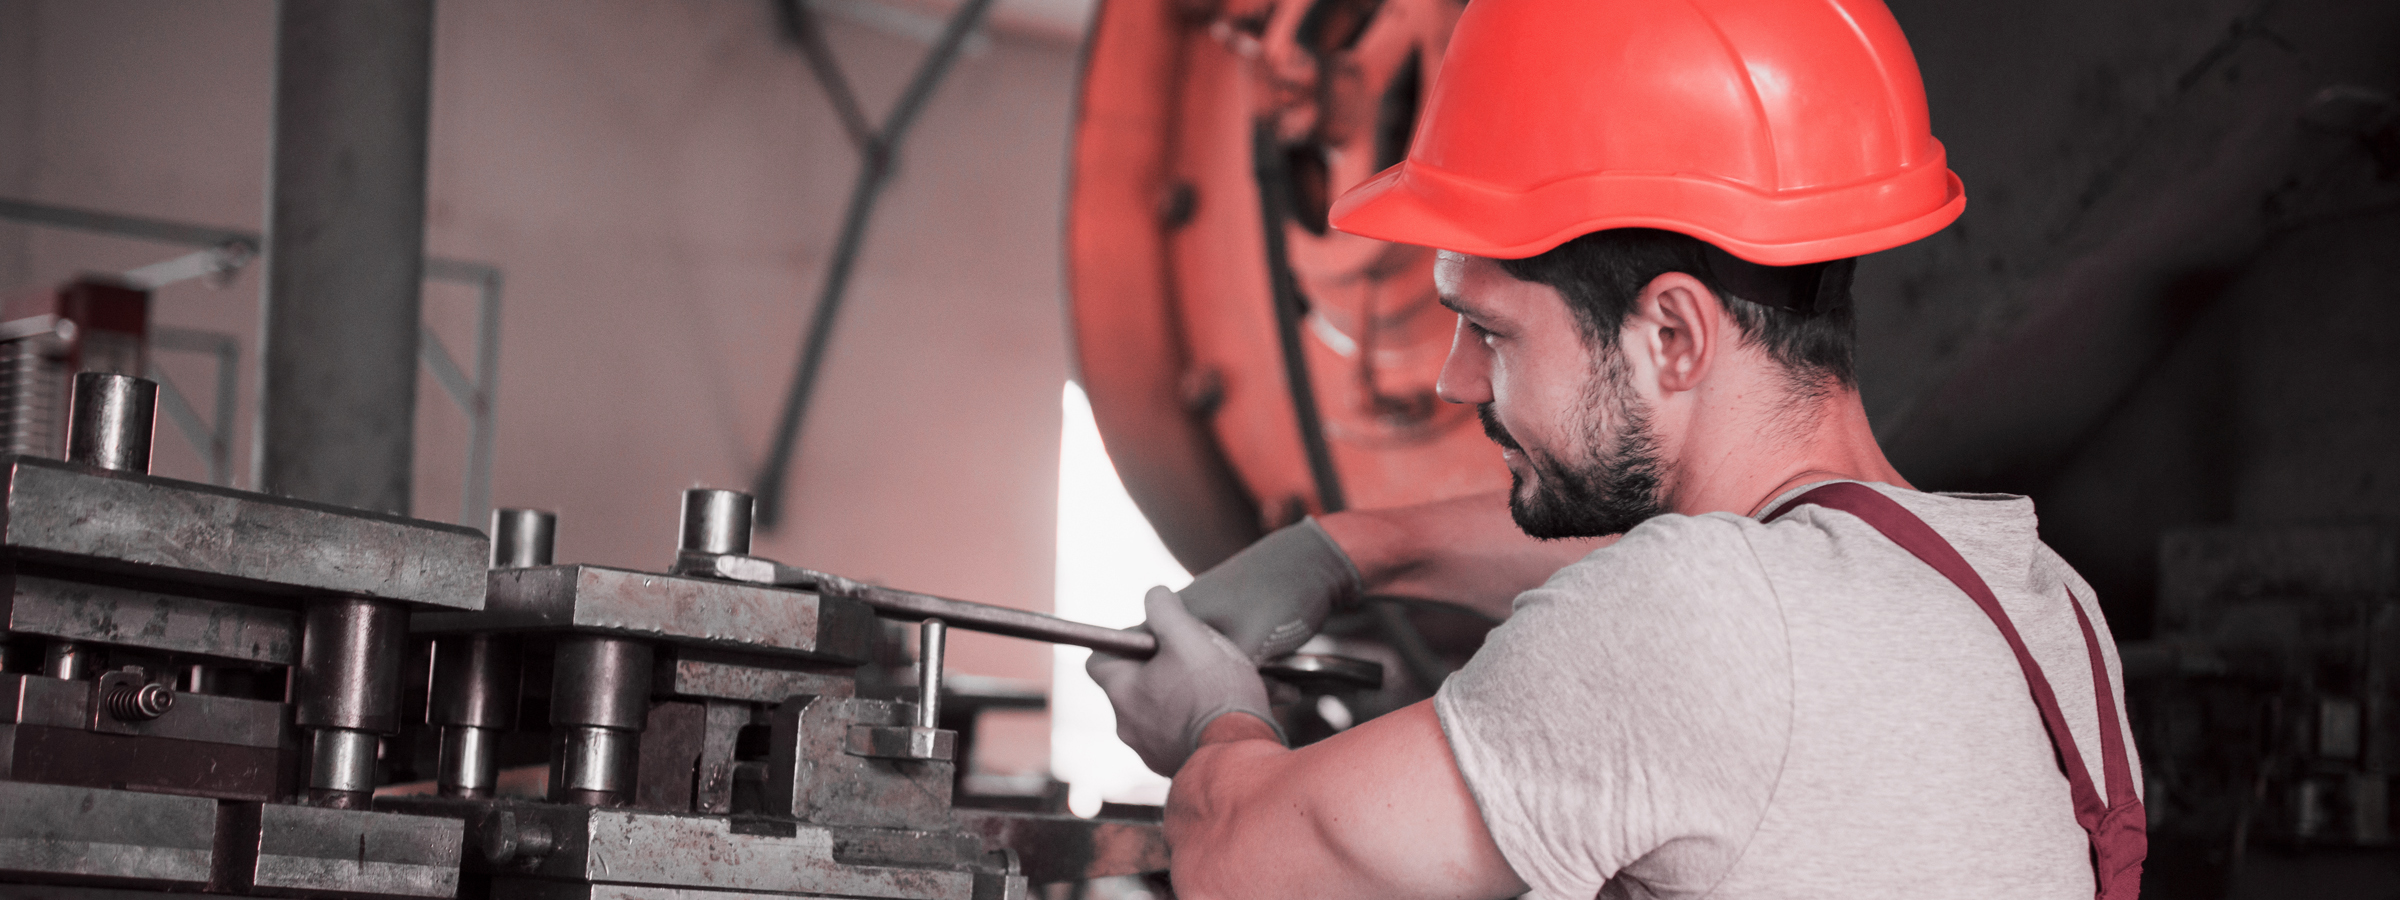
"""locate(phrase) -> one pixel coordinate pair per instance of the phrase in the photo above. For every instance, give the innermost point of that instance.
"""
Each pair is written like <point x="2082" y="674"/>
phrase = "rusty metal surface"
<point x="111" y="614"/>
<point x="639" y="850"/>
<point x="181" y="532"/>
<point x="902" y="742"/>
<point x="812" y="777"/>
<point x="55" y="831"/>
<point x="1053" y="848"/>
<point x="316" y="851"/>
<point x="685" y="673"/>
<point x="80" y="757"/>
<point x="703" y="612"/>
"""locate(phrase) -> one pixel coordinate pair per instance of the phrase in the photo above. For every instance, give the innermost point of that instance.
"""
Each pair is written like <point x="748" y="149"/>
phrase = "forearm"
<point x="1466" y="551"/>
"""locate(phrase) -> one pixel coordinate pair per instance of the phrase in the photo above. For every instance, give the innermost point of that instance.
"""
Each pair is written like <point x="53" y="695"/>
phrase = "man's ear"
<point x="1680" y="325"/>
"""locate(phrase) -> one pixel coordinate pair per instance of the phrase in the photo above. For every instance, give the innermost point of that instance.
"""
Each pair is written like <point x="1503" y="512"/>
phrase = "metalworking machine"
<point x="202" y="692"/>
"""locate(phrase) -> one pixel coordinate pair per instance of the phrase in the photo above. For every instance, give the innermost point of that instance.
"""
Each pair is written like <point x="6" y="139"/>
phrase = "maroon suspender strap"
<point x="2117" y="827"/>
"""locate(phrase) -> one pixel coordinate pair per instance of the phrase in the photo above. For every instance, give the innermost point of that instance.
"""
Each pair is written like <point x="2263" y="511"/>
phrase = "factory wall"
<point x="661" y="183"/>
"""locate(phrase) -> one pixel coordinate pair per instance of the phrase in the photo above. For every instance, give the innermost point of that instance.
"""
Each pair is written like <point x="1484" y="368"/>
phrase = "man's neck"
<point x="1741" y="460"/>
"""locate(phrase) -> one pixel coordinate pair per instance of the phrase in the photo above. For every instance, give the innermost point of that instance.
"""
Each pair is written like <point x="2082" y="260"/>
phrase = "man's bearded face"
<point x="1607" y="482"/>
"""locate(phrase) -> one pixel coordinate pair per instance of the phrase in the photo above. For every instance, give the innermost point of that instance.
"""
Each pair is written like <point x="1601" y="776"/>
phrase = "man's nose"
<point x="1466" y="375"/>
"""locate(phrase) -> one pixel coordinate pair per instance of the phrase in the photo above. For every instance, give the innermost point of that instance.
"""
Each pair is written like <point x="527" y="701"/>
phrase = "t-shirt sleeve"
<point x="1631" y="715"/>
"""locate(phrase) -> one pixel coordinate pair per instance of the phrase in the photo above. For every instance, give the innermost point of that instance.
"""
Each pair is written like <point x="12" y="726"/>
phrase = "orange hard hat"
<point x="1784" y="131"/>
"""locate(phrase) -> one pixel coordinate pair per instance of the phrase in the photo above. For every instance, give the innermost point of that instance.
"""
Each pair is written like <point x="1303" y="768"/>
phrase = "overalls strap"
<point x="2117" y="827"/>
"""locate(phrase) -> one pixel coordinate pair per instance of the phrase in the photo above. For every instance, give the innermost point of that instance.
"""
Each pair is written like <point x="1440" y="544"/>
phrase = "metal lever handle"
<point x="899" y="604"/>
<point x="1316" y="670"/>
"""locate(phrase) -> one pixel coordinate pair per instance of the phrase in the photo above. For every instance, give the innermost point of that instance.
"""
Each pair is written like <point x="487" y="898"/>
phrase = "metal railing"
<point x="224" y="252"/>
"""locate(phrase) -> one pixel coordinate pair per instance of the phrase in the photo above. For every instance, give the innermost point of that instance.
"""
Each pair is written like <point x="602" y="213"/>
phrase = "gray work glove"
<point x="1164" y="702"/>
<point x="1275" y="594"/>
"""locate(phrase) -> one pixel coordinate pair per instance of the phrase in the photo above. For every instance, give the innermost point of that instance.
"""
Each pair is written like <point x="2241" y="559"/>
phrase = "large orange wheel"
<point x="1196" y="118"/>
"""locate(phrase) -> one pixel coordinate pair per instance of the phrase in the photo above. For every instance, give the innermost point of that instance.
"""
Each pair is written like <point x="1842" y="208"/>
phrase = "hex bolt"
<point x="111" y="422"/>
<point x="931" y="635"/>
<point x="137" y="703"/>
<point x="522" y="538"/>
<point x="716" y="521"/>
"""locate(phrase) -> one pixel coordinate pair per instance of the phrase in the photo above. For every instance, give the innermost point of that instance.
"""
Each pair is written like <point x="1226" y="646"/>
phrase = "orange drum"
<point x="1211" y="140"/>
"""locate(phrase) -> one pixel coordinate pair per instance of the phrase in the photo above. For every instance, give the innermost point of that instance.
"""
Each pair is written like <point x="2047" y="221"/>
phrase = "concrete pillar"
<point x="345" y="251"/>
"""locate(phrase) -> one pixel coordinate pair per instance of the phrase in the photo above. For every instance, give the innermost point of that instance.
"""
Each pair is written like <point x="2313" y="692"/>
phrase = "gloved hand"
<point x="1275" y="594"/>
<point x="1164" y="702"/>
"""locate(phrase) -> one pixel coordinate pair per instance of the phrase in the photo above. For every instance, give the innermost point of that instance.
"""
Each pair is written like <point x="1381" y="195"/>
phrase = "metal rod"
<point x="112" y="420"/>
<point x="1005" y="621"/>
<point x="930" y="639"/>
<point x="71" y="218"/>
<point x="874" y="170"/>
<point x="159" y="230"/>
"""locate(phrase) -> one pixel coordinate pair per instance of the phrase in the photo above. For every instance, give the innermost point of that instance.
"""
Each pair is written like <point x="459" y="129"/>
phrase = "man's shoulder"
<point x="1667" y="544"/>
<point x="1694" y="576"/>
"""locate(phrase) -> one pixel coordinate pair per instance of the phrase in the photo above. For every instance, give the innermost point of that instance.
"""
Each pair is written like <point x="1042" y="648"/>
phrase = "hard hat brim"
<point x="1413" y="203"/>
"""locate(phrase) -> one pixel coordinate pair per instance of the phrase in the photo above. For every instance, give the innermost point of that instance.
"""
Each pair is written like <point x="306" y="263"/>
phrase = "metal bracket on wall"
<point x="224" y="252"/>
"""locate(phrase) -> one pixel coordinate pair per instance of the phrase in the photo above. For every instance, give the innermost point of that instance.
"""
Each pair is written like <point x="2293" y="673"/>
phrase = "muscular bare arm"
<point x="1465" y="551"/>
<point x="1378" y="811"/>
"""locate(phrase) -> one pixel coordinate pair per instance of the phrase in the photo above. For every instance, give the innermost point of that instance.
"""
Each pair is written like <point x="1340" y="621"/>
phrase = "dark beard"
<point x="1611" y="495"/>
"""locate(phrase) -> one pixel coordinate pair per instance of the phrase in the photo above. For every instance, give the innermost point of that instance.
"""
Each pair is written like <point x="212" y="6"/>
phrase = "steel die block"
<point x="180" y="532"/>
<point x="131" y="617"/>
<point x="52" y="702"/>
<point x="701" y="674"/>
<point x="85" y="833"/>
<point x="813" y="777"/>
<point x="282" y="849"/>
<point x="668" y="609"/>
<point x="623" y="847"/>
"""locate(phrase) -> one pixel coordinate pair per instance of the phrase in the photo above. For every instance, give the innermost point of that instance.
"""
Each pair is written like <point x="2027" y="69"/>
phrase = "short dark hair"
<point x="1601" y="274"/>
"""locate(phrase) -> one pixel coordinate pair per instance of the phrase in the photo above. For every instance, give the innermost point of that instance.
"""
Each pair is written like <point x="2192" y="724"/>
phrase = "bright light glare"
<point x="1108" y="556"/>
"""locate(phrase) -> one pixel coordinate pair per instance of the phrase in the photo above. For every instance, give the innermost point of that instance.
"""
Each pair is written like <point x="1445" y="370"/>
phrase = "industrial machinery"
<point x="203" y="692"/>
<point x="197" y="679"/>
<point x="2265" y="701"/>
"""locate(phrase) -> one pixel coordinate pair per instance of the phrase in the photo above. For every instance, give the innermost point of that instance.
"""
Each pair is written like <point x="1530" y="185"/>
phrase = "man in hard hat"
<point x="1793" y="674"/>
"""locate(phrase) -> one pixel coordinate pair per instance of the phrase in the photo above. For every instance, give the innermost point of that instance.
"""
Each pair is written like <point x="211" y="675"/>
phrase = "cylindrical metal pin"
<point x="522" y="537"/>
<point x="341" y="770"/>
<point x="66" y="659"/>
<point x="599" y="703"/>
<point x="473" y="699"/>
<point x="931" y="635"/>
<point x="347" y="690"/>
<point x="469" y="768"/>
<point x="716" y="521"/>
<point x="112" y="420"/>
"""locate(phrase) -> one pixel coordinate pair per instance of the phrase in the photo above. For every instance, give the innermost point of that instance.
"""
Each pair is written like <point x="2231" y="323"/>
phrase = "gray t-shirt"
<point x="1718" y="707"/>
